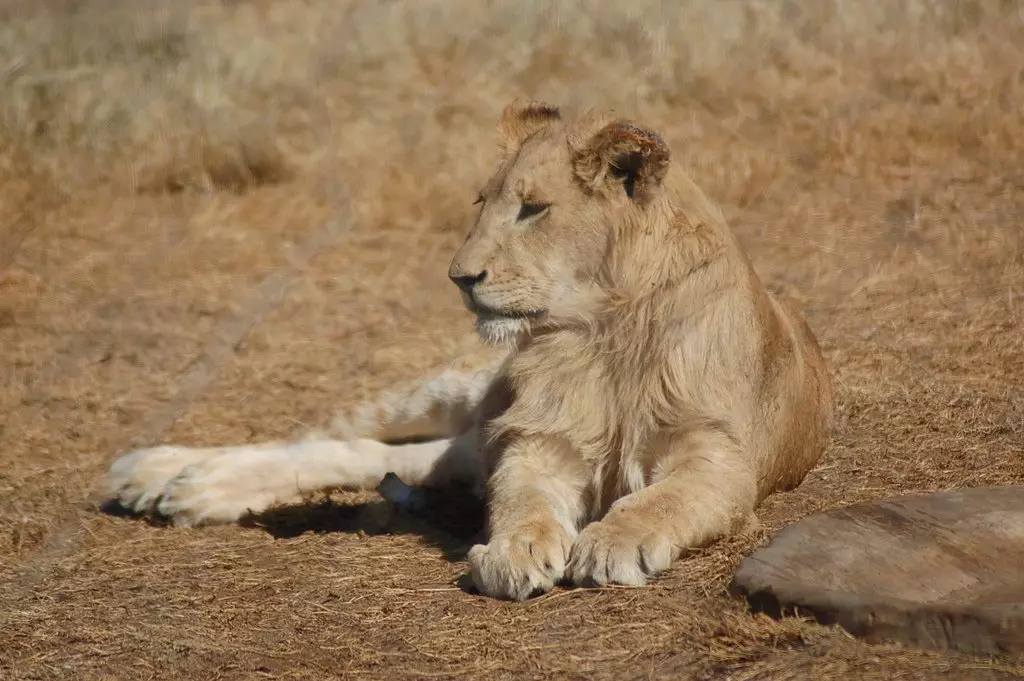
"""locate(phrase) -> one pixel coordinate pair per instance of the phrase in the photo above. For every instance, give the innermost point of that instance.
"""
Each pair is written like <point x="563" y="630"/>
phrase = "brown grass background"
<point x="223" y="222"/>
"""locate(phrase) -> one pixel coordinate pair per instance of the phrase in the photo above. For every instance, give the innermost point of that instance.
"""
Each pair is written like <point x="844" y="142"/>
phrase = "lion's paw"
<point x="618" y="553"/>
<point x="522" y="564"/>
<point x="138" y="479"/>
<point x="224" y="489"/>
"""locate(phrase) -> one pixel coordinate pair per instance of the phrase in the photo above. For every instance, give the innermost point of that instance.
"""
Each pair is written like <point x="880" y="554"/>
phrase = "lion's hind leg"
<point x="429" y="423"/>
<point x="222" y="486"/>
<point x="440" y="407"/>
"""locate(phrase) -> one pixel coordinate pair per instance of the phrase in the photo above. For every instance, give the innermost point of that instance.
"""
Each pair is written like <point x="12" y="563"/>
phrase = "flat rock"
<point x="942" y="570"/>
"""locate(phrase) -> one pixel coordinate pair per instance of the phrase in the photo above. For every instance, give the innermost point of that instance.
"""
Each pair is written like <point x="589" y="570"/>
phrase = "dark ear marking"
<point x="539" y="111"/>
<point x="627" y="168"/>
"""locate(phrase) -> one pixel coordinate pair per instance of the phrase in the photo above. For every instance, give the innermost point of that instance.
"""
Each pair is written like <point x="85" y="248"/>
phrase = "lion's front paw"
<point x="521" y="564"/>
<point x="619" y="553"/>
<point x="137" y="479"/>
<point x="223" y="489"/>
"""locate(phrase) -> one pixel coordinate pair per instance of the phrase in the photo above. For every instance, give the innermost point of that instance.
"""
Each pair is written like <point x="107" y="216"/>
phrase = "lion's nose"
<point x="466" y="282"/>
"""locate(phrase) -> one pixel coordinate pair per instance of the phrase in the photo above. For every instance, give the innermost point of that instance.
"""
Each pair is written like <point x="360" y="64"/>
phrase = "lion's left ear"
<point x="624" y="154"/>
<point x="520" y="119"/>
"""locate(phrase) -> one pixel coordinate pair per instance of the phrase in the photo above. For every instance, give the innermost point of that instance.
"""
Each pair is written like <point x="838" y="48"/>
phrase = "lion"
<point x="653" y="392"/>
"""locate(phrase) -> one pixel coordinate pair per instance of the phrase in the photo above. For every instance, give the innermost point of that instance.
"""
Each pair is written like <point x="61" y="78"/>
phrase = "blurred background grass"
<point x="222" y="95"/>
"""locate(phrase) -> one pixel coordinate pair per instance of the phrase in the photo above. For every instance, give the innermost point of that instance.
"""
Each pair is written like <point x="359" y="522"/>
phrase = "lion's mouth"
<point x="486" y="312"/>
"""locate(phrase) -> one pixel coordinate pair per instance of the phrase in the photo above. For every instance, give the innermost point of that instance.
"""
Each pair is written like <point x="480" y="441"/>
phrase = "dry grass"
<point x="223" y="221"/>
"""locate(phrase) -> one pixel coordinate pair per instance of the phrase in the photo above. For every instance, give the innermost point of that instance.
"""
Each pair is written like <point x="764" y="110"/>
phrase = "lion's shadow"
<point x="452" y="523"/>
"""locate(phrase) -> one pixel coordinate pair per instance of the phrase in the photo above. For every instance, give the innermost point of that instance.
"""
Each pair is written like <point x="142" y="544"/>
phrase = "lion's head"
<point x="536" y="256"/>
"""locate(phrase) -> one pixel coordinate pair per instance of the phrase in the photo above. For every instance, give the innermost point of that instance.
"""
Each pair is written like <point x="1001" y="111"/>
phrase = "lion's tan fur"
<point x="660" y="360"/>
<point x="654" y="394"/>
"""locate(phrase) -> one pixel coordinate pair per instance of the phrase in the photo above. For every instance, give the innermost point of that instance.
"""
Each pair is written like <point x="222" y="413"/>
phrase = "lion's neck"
<point x="661" y="253"/>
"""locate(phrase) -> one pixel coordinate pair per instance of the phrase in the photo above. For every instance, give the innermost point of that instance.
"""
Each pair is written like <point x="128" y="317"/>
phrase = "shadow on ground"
<point x="452" y="521"/>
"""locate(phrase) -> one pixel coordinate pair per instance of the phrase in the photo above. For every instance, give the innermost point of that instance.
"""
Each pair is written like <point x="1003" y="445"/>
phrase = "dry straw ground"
<point x="225" y="221"/>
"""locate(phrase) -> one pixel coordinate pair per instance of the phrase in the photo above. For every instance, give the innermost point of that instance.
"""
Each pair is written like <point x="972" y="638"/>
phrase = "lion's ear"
<point x="622" y="153"/>
<point x="520" y="119"/>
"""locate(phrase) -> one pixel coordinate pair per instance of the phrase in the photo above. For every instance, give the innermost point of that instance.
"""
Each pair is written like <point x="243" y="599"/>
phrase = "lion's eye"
<point x="479" y="199"/>
<point x="528" y="210"/>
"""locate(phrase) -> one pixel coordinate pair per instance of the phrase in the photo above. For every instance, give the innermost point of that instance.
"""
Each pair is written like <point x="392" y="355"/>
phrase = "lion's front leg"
<point x="704" y="490"/>
<point x="535" y="505"/>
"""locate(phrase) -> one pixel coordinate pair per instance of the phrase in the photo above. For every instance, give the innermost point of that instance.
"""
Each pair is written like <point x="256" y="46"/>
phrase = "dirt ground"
<point x="228" y="222"/>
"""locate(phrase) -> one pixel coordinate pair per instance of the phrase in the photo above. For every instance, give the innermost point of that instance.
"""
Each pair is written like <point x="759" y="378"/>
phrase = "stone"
<point x="941" y="571"/>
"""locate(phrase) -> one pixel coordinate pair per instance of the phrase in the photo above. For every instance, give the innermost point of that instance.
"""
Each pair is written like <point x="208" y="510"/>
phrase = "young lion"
<point x="655" y="394"/>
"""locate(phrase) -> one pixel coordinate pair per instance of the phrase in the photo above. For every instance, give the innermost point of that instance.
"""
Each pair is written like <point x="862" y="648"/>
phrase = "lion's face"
<point x="535" y="243"/>
<point x="534" y="256"/>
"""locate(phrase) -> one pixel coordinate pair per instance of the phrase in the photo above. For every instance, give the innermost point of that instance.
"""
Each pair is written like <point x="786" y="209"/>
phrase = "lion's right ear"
<point x="623" y="155"/>
<point x="520" y="119"/>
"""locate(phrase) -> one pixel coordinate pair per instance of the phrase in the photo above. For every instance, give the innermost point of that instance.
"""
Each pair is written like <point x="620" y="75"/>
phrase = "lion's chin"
<point x="502" y="330"/>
